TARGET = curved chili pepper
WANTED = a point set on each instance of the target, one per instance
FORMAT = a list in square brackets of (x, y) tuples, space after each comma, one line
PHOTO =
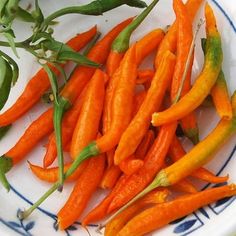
[(40, 83), (120, 221), (205, 80), (164, 213), (177, 151), (170, 40), (85, 186), (184, 41), (134, 133)]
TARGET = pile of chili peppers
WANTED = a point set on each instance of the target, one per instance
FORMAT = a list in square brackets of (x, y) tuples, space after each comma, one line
[(124, 139)]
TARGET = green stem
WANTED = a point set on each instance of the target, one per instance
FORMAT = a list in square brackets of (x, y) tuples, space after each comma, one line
[(24, 214), (94, 8), (59, 109), (121, 43)]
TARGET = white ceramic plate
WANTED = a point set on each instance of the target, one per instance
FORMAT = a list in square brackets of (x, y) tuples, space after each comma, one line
[(216, 219)]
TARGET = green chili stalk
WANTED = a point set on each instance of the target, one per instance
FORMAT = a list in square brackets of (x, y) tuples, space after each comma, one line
[(121, 43), (97, 7)]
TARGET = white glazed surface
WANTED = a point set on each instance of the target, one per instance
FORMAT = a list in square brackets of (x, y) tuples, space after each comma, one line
[(221, 224)]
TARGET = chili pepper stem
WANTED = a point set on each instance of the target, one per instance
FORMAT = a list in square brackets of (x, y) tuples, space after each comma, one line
[(60, 108), (26, 213)]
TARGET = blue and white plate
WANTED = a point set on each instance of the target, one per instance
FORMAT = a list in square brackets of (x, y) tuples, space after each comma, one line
[(216, 219)]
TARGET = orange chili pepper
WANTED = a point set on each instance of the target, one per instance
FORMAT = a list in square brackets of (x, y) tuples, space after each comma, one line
[(221, 99), (51, 174), (176, 152), (155, 217), (90, 114), (170, 40), (134, 133), (119, 221), (85, 186), (40, 83), (184, 41), (205, 80)]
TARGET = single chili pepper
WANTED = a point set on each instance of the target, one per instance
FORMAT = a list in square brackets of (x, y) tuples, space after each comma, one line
[(38, 129), (204, 82), (144, 76), (88, 122), (82, 192), (100, 211), (145, 145), (162, 214), (68, 125), (134, 133), (40, 83), (153, 162), (176, 152), (131, 165), (51, 174), (155, 197), (193, 160), (170, 40)]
